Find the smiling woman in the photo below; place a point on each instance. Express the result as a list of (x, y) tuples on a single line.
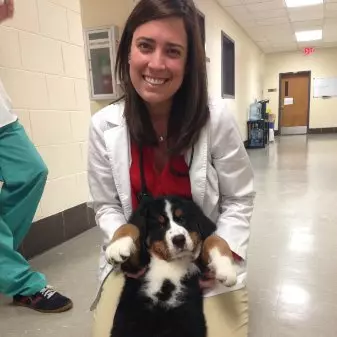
[(151, 62), (157, 61), (164, 138)]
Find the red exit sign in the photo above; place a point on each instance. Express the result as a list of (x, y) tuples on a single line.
[(309, 50)]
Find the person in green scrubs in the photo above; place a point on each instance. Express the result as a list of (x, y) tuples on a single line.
[(23, 176)]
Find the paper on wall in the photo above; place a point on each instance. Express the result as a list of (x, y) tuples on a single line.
[(288, 100)]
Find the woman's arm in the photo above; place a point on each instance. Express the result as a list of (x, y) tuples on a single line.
[(235, 175), (104, 196)]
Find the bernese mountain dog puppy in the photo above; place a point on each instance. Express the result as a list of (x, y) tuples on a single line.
[(175, 242)]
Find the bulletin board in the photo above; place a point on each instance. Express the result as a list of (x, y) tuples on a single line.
[(325, 87)]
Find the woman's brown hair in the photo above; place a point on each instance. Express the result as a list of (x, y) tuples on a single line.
[(189, 111)]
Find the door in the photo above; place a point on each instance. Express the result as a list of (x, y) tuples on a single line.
[(295, 101)]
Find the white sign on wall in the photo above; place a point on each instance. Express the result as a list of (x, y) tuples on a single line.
[(325, 87)]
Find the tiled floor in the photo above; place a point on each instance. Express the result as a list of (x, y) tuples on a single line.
[(293, 252), (292, 257), (72, 269)]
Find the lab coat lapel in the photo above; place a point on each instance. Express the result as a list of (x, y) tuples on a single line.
[(118, 148), (198, 169)]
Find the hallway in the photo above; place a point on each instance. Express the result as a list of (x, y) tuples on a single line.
[(292, 257)]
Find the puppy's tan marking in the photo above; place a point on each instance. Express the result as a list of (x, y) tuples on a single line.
[(161, 220), (215, 241), (217, 255), (178, 212), (160, 249), (195, 239), (129, 230), (126, 230)]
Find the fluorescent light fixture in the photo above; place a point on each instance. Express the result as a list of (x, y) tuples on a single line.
[(309, 35), (302, 3)]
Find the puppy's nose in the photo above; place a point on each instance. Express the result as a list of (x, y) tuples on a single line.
[(179, 241)]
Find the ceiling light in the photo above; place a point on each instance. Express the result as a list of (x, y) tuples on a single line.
[(309, 35), (302, 3)]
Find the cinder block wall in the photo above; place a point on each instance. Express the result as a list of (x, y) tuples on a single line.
[(42, 66)]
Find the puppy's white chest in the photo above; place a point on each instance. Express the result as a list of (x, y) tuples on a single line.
[(164, 280)]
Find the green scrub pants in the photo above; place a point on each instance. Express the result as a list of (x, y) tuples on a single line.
[(24, 176)]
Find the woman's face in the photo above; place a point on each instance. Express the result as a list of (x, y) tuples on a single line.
[(158, 58)]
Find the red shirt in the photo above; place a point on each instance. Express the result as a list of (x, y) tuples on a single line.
[(158, 183)]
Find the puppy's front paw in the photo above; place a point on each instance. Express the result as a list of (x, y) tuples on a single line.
[(120, 250), (224, 269)]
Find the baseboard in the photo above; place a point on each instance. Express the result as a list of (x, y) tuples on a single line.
[(314, 131), (322, 130), (51, 231)]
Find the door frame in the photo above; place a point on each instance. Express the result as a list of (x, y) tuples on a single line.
[(305, 72)]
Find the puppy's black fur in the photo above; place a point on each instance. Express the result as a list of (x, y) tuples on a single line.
[(136, 314)]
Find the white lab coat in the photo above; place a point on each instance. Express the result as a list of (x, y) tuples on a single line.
[(221, 179)]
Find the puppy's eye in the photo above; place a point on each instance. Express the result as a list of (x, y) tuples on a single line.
[(161, 221), (180, 219), (179, 216)]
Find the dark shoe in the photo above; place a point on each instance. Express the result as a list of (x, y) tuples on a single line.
[(46, 300)]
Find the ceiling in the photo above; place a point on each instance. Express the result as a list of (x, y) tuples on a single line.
[(272, 25)]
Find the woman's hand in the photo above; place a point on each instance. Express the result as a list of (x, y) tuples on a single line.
[(137, 275), (207, 281)]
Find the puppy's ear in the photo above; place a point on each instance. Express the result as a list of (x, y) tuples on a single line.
[(139, 216), (206, 226), (137, 219)]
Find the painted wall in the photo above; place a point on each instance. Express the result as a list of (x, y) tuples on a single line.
[(322, 63), (43, 69)]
